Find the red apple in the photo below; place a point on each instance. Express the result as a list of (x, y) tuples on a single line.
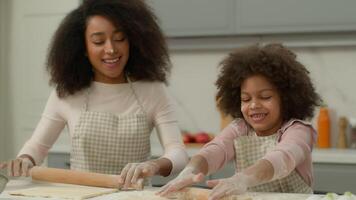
[(188, 138), (202, 137)]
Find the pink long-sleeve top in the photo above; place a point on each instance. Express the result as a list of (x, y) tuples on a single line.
[(293, 150)]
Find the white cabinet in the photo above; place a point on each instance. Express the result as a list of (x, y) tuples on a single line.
[(190, 18), (195, 17), (295, 16)]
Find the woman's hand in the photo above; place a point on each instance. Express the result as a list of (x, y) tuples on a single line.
[(186, 178), (234, 185), (133, 173), (18, 167)]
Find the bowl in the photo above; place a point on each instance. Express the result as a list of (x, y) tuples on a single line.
[(3, 182)]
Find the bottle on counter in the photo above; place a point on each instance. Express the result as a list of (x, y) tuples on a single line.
[(323, 128), (341, 138)]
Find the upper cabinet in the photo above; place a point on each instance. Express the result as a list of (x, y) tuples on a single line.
[(186, 18), (294, 16), (195, 17)]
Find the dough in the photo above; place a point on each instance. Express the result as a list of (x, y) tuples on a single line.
[(136, 195), (67, 191)]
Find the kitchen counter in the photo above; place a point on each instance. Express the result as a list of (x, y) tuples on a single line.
[(331, 155), (23, 183)]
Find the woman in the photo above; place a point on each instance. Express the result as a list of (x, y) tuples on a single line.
[(108, 61)]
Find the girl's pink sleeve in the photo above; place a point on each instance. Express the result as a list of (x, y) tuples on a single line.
[(221, 149), (293, 150)]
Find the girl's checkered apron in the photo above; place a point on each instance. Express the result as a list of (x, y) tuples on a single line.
[(250, 148), (105, 143)]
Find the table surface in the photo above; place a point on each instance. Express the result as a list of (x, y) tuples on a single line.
[(22, 183)]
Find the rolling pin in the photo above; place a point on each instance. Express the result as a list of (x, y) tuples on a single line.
[(76, 177)]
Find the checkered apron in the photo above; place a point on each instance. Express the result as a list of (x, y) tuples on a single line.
[(250, 148), (105, 143)]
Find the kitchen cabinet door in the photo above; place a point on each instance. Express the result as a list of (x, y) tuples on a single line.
[(59, 160), (294, 16), (334, 177), (195, 17)]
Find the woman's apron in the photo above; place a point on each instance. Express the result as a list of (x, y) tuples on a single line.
[(104, 142), (249, 149)]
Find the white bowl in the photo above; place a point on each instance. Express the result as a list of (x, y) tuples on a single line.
[(3, 182)]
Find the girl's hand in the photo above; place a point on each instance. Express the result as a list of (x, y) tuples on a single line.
[(184, 179), (234, 185), (18, 167)]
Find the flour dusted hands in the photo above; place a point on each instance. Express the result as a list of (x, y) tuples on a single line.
[(186, 178), (236, 184), (18, 167), (133, 173)]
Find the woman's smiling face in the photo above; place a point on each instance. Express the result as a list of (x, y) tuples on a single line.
[(261, 105), (108, 50)]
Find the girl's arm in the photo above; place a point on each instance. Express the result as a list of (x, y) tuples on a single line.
[(293, 151)]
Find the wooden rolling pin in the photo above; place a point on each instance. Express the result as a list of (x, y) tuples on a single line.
[(76, 177)]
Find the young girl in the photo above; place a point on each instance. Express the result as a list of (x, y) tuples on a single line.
[(109, 64), (269, 94)]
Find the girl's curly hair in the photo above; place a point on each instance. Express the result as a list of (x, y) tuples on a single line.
[(71, 70), (280, 67)]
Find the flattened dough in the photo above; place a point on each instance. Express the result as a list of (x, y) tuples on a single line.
[(136, 195), (74, 192)]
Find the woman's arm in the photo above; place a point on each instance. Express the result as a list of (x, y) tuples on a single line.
[(46, 132)]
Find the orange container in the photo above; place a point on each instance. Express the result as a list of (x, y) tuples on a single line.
[(323, 128)]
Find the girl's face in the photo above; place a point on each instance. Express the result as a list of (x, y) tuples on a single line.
[(260, 105), (107, 49)]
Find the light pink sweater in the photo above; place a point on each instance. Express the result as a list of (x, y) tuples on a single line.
[(293, 150)]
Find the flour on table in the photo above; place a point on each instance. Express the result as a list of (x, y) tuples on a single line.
[(74, 192), (135, 195)]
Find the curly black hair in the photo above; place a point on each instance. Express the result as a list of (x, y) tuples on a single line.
[(280, 67), (71, 70)]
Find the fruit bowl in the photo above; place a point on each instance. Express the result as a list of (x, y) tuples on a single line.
[(196, 139)]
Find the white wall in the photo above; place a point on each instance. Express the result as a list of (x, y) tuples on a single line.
[(3, 96), (31, 26), (333, 70), (192, 80)]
